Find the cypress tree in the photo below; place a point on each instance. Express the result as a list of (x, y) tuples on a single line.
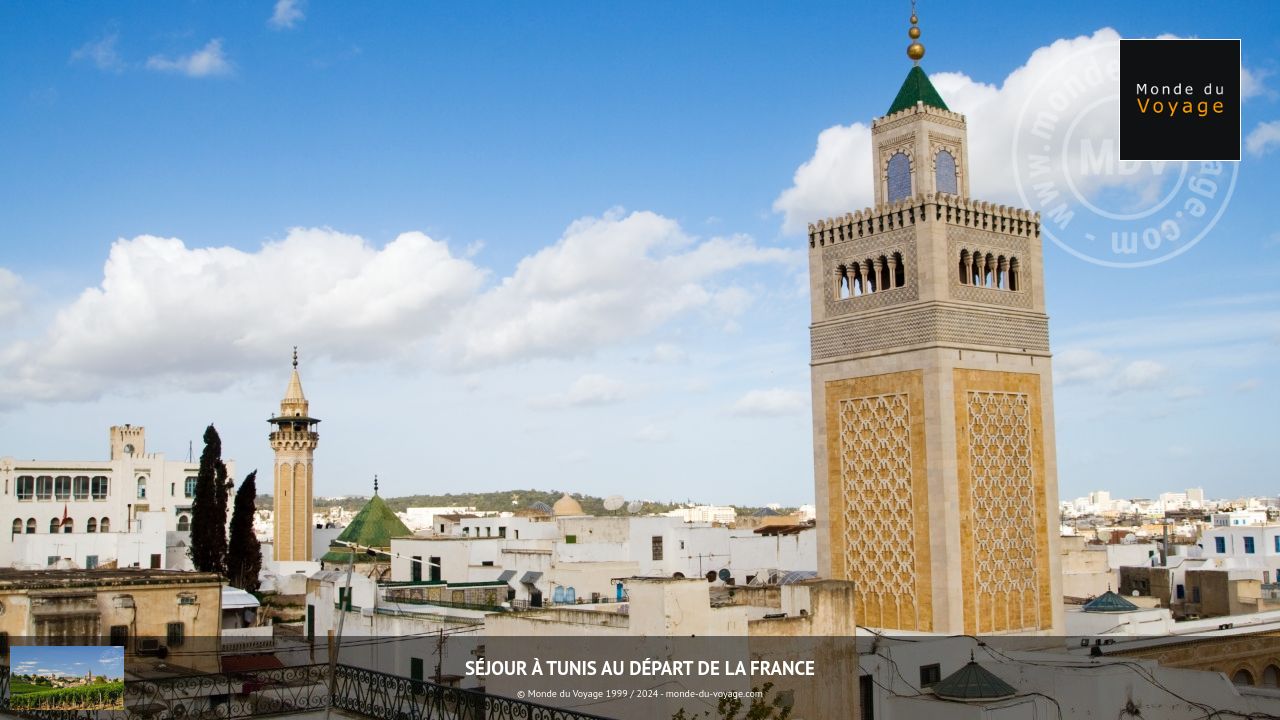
[(244, 553), (209, 508)]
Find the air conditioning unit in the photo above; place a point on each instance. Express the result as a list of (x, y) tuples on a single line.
[(150, 646)]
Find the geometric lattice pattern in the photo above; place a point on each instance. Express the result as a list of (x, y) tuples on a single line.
[(879, 528), (1003, 506)]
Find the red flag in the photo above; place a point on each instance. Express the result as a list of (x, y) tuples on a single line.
[(64, 513)]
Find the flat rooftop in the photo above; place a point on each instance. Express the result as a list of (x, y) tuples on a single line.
[(11, 579)]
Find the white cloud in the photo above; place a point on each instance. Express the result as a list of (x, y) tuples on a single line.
[(838, 177), (1263, 138), (1086, 366), (1251, 83), (652, 433), (588, 390), (286, 14), (11, 291), (607, 278), (666, 354), (1081, 365), (1186, 392), (166, 315), (200, 316), (1140, 375), (208, 61), (102, 53), (1248, 386), (835, 180), (772, 402)]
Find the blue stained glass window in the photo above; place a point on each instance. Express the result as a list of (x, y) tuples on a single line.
[(946, 173), (899, 177)]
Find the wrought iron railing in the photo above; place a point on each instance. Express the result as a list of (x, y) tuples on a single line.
[(390, 697)]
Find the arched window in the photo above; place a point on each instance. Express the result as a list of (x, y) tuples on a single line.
[(142, 488), (54, 524), (184, 523), (1242, 677), (31, 526), (91, 526), (842, 278), (69, 525), (1271, 676), (899, 177), (965, 272), (1002, 273), (945, 173), (17, 526), (899, 270), (104, 525), (1013, 273), (989, 271)]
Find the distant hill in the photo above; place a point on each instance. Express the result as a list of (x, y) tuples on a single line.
[(503, 500)]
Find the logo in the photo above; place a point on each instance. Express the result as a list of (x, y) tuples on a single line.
[(1096, 206)]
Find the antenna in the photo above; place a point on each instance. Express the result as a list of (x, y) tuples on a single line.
[(613, 502), (634, 506)]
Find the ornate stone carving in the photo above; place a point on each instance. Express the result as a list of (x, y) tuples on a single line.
[(973, 327), (1003, 504)]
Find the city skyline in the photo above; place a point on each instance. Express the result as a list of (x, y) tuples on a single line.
[(616, 297)]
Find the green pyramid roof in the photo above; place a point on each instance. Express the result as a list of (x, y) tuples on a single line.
[(1109, 602), (916, 88), (973, 682), (373, 526)]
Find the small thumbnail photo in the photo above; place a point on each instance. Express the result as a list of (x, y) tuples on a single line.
[(75, 677)]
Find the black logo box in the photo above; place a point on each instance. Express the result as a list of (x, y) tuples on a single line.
[(1187, 68)]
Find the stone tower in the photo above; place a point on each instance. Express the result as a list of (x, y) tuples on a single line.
[(933, 411), (294, 441)]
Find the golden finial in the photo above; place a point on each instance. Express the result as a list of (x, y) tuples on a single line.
[(915, 50), (295, 357), (375, 484)]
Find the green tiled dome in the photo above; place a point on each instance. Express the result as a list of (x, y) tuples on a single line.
[(1109, 602), (916, 88), (973, 683), (373, 526)]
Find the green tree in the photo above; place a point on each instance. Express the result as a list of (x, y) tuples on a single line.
[(244, 552), (761, 707), (208, 548)]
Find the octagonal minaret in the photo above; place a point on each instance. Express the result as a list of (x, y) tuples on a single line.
[(294, 441)]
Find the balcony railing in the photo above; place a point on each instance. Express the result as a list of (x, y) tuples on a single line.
[(302, 689), (390, 697)]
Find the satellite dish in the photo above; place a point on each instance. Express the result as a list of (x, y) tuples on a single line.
[(613, 502), (725, 575), (634, 506)]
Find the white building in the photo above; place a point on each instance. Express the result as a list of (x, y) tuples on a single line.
[(131, 493), (1255, 545), (579, 558), (722, 514), (1237, 518)]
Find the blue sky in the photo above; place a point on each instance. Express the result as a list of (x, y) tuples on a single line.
[(531, 245), (70, 660)]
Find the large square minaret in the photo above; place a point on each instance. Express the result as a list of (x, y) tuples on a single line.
[(933, 398)]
